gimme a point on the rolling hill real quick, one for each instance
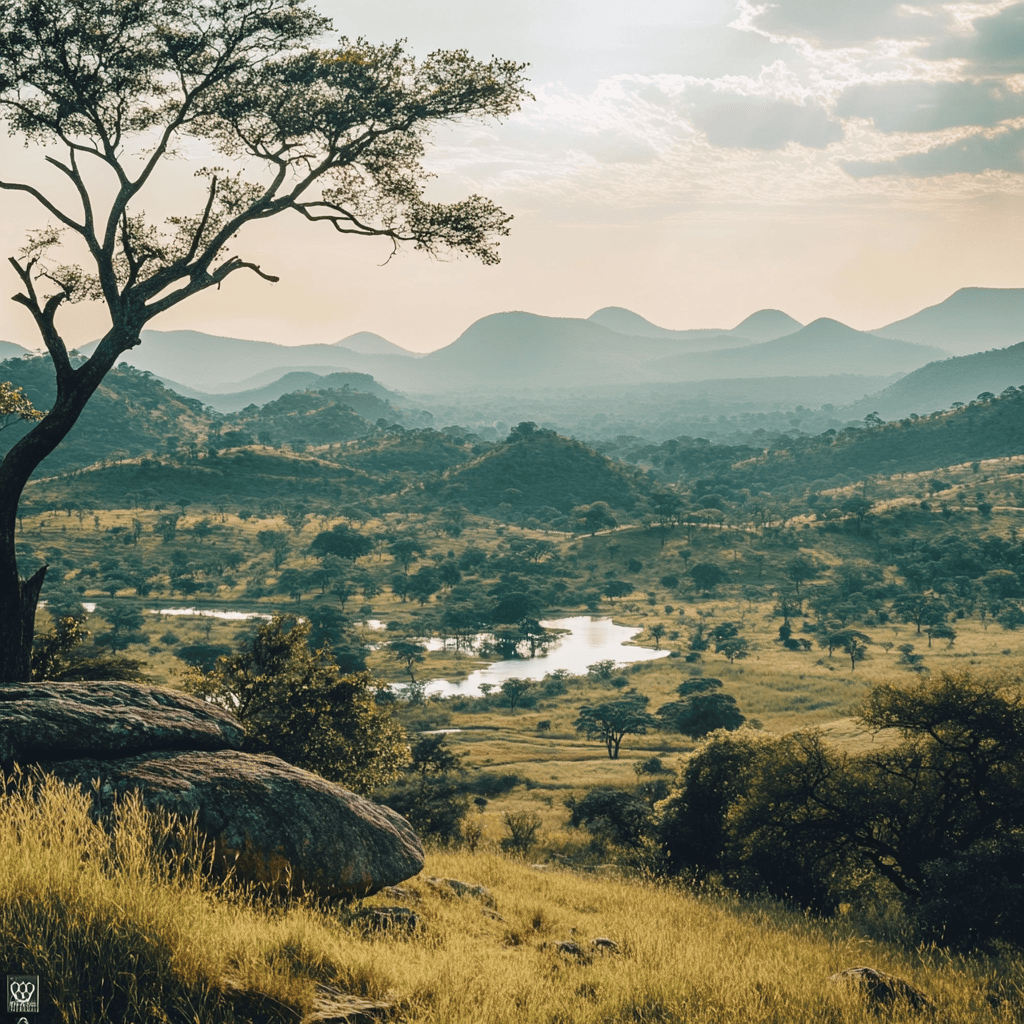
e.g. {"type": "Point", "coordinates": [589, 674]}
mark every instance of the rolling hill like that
{"type": "Point", "coordinates": [539, 351]}
{"type": "Point", "coordinates": [764, 325]}
{"type": "Point", "coordinates": [541, 470]}
{"type": "Point", "coordinates": [970, 320]}
{"type": "Point", "coordinates": [204, 361]}
{"type": "Point", "coordinates": [233, 401]}
{"type": "Point", "coordinates": [822, 347]}
{"type": "Point", "coordinates": [8, 350]}
{"type": "Point", "coordinates": [938, 385]}
{"type": "Point", "coordinates": [369, 344]}
{"type": "Point", "coordinates": [130, 414]}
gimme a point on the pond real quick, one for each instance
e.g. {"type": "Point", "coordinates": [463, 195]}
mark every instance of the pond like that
{"type": "Point", "coordinates": [584, 641]}
{"type": "Point", "coordinates": [587, 640]}
{"type": "Point", "coordinates": [209, 613]}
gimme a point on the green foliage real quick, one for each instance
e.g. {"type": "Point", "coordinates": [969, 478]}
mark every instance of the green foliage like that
{"type": "Point", "coordinates": [342, 542]}
{"type": "Point", "coordinates": [15, 406]}
{"type": "Point", "coordinates": [295, 702]}
{"type": "Point", "coordinates": [612, 720]}
{"type": "Point", "coordinates": [62, 654]}
{"type": "Point", "coordinates": [698, 684]}
{"type": "Point", "coordinates": [516, 692]}
{"type": "Point", "coordinates": [806, 822]}
{"type": "Point", "coordinates": [522, 828]}
{"type": "Point", "coordinates": [707, 575]}
{"type": "Point", "coordinates": [613, 815]}
{"type": "Point", "coordinates": [430, 795]}
{"type": "Point", "coordinates": [701, 713]}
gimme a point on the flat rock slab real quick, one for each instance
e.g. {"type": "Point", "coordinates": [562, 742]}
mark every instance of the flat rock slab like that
{"type": "Point", "coordinates": [47, 721]}
{"type": "Point", "coordinates": [272, 823]}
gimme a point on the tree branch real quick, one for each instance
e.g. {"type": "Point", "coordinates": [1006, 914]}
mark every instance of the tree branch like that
{"type": "Point", "coordinates": [16, 186]}
{"type": "Point", "coordinates": [43, 317]}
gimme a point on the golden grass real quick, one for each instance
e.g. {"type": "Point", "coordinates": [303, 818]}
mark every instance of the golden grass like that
{"type": "Point", "coordinates": [118, 932]}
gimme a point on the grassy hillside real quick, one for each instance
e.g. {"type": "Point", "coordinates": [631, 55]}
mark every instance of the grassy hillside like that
{"type": "Point", "coordinates": [74, 901]}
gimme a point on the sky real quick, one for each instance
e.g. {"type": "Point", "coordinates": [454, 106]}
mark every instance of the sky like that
{"type": "Point", "coordinates": [693, 161]}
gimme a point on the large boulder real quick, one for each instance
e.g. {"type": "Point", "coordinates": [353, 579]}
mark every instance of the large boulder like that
{"type": "Point", "coordinates": [42, 721]}
{"type": "Point", "coordinates": [270, 822]}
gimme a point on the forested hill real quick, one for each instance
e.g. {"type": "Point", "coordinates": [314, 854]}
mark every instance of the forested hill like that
{"type": "Point", "coordinates": [938, 385]}
{"type": "Point", "coordinates": [131, 414]}
{"type": "Point", "coordinates": [989, 427]}
{"type": "Point", "coordinates": [537, 470]}
{"type": "Point", "coordinates": [326, 416]}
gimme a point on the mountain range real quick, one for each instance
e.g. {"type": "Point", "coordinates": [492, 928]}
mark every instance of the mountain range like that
{"type": "Point", "coordinates": [612, 347]}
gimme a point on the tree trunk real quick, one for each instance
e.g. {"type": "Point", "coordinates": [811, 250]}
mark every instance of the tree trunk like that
{"type": "Point", "coordinates": [18, 617]}
{"type": "Point", "coordinates": [18, 597]}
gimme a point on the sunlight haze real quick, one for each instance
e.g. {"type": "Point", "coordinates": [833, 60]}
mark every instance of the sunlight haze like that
{"type": "Point", "coordinates": [692, 162]}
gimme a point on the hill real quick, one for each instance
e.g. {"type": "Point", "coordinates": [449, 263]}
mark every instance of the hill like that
{"type": "Point", "coordinates": [233, 401]}
{"type": "Point", "coordinates": [970, 320]}
{"type": "Point", "coordinates": [542, 351]}
{"type": "Point", "coordinates": [369, 344]}
{"type": "Point", "coordinates": [202, 361]}
{"type": "Point", "coordinates": [766, 325]}
{"type": "Point", "coordinates": [633, 325]}
{"type": "Point", "coordinates": [823, 347]}
{"type": "Point", "coordinates": [938, 385]}
{"type": "Point", "coordinates": [324, 416]}
{"type": "Point", "coordinates": [538, 469]}
{"type": "Point", "coordinates": [989, 429]}
{"type": "Point", "coordinates": [8, 350]}
{"type": "Point", "coordinates": [763, 325]}
{"type": "Point", "coordinates": [130, 414]}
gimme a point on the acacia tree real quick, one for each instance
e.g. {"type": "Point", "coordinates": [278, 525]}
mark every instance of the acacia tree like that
{"type": "Point", "coordinates": [111, 89]}
{"type": "Point", "coordinates": [614, 719]}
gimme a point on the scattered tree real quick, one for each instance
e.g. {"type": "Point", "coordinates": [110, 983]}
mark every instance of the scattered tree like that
{"type": "Point", "coordinates": [612, 720]}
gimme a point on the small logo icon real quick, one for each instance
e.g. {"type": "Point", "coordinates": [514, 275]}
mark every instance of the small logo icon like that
{"type": "Point", "coordinates": [22, 993]}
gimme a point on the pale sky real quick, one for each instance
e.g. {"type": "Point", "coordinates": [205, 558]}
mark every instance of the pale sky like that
{"type": "Point", "coordinates": [692, 160]}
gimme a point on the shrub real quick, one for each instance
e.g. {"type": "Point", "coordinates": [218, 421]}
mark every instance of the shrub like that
{"type": "Point", "coordinates": [522, 828]}
{"type": "Point", "coordinates": [613, 815]}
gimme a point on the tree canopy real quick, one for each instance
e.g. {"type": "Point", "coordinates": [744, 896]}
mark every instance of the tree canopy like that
{"type": "Point", "coordinates": [296, 703]}
{"type": "Point", "coordinates": [111, 90]}
{"type": "Point", "coordinates": [612, 720]}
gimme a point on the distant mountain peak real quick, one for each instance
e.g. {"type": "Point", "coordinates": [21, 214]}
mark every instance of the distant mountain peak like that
{"type": "Point", "coordinates": [766, 325]}
{"type": "Point", "coordinates": [625, 321]}
{"type": "Point", "coordinates": [369, 344]}
{"type": "Point", "coordinates": [970, 320]}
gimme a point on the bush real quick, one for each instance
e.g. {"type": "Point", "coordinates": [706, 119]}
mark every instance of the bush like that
{"type": "Point", "coordinates": [612, 815]}
{"type": "Point", "coordinates": [295, 703]}
{"type": "Point", "coordinates": [522, 828]}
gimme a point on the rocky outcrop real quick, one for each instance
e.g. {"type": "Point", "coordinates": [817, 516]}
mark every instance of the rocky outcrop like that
{"type": "Point", "coordinates": [45, 721]}
{"type": "Point", "coordinates": [268, 821]}
{"type": "Point", "coordinates": [881, 989]}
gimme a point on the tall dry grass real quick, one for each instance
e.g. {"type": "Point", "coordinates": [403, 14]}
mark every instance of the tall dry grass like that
{"type": "Point", "coordinates": [122, 927]}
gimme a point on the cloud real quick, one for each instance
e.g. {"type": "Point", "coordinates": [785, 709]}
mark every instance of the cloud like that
{"type": "Point", "coordinates": [851, 22]}
{"type": "Point", "coordinates": [974, 154]}
{"type": "Point", "coordinates": [753, 123]}
{"type": "Point", "coordinates": [995, 43]}
{"type": "Point", "coordinates": [916, 106]}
